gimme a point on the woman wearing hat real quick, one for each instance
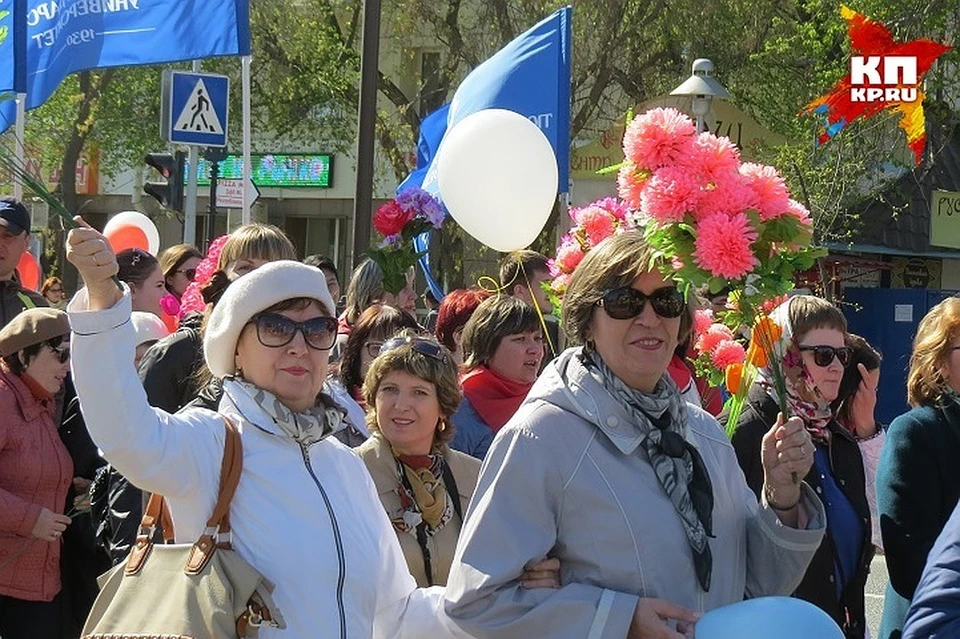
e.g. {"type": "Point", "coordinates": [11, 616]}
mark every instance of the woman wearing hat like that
{"type": "Point", "coordinates": [306, 513]}
{"type": "Point", "coordinates": [35, 473]}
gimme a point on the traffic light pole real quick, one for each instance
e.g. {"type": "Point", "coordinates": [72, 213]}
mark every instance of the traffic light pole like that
{"type": "Point", "coordinates": [212, 215]}
{"type": "Point", "coordinates": [190, 203]}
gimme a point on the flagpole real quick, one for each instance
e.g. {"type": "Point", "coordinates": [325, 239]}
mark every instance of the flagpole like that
{"type": "Point", "coordinates": [245, 65]}
{"type": "Point", "coordinates": [20, 150]}
{"type": "Point", "coordinates": [190, 202]}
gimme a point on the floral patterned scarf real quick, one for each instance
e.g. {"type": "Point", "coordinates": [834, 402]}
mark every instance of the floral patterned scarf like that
{"type": "Point", "coordinates": [305, 428]}
{"type": "Point", "coordinates": [422, 492]}
{"type": "Point", "coordinates": [803, 397]}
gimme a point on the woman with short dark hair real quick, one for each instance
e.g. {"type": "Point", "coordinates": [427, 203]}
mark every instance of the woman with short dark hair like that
{"type": "Point", "coordinates": [503, 350]}
{"type": "Point", "coordinates": [35, 474]}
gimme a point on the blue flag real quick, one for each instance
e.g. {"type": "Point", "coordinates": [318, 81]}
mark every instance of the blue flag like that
{"type": "Point", "coordinates": [13, 45]}
{"type": "Point", "coordinates": [65, 36]}
{"type": "Point", "coordinates": [531, 76]}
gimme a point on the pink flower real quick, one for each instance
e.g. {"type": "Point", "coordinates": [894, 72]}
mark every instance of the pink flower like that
{"type": "Point", "coordinates": [714, 334]}
{"type": "Point", "coordinates": [597, 223]}
{"type": "Point", "coordinates": [629, 184]}
{"type": "Point", "coordinates": [723, 245]}
{"type": "Point", "coordinates": [669, 195]}
{"type": "Point", "coordinates": [712, 157]}
{"type": "Point", "coordinates": [702, 320]}
{"type": "Point", "coordinates": [192, 299]}
{"type": "Point", "coordinates": [727, 195]}
{"type": "Point", "coordinates": [771, 191]}
{"type": "Point", "coordinates": [569, 256]}
{"type": "Point", "coordinates": [800, 212]}
{"type": "Point", "coordinates": [657, 138]}
{"type": "Point", "coordinates": [727, 353]}
{"type": "Point", "coordinates": [615, 207]}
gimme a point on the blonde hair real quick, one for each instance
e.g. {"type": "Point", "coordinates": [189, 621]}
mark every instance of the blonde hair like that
{"type": "Point", "coordinates": [442, 373]}
{"type": "Point", "coordinates": [931, 350]}
{"type": "Point", "coordinates": [256, 241]}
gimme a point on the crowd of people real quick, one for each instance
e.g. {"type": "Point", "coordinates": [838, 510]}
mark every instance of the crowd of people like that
{"type": "Point", "coordinates": [506, 473]}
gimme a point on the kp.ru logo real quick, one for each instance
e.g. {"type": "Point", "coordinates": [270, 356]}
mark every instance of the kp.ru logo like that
{"type": "Point", "coordinates": [883, 78]}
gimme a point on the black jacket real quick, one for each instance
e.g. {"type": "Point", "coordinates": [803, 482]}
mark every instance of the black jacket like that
{"type": "Point", "coordinates": [818, 585]}
{"type": "Point", "coordinates": [14, 299]}
{"type": "Point", "coordinates": [168, 370]}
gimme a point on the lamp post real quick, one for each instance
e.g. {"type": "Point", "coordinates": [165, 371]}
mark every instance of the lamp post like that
{"type": "Point", "coordinates": [702, 89]}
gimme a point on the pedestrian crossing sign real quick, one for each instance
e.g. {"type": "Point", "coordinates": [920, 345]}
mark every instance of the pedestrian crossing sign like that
{"type": "Point", "coordinates": [195, 108]}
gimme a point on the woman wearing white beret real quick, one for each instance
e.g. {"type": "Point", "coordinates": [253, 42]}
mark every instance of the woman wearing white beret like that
{"type": "Point", "coordinates": [306, 513]}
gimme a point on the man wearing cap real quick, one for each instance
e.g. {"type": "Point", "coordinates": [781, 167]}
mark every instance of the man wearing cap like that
{"type": "Point", "coordinates": [14, 239]}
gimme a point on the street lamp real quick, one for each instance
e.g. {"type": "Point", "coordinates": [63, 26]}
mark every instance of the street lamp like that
{"type": "Point", "coordinates": [702, 89]}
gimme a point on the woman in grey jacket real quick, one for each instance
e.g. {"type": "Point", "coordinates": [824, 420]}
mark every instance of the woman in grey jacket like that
{"type": "Point", "coordinates": [638, 494]}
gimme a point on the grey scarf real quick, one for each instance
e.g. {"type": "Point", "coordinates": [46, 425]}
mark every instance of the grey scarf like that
{"type": "Point", "coordinates": [662, 420]}
{"type": "Point", "coordinates": [305, 428]}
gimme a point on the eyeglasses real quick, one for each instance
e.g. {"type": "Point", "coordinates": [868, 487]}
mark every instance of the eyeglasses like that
{"type": "Point", "coordinates": [627, 302]}
{"type": "Point", "coordinates": [275, 331]}
{"type": "Point", "coordinates": [823, 355]}
{"type": "Point", "coordinates": [55, 290]}
{"type": "Point", "coordinates": [373, 348]}
{"type": "Point", "coordinates": [189, 273]}
{"type": "Point", "coordinates": [62, 353]}
{"type": "Point", "coordinates": [422, 346]}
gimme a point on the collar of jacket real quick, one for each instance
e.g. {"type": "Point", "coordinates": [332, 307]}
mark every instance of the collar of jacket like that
{"type": "Point", "coordinates": [585, 396]}
{"type": "Point", "coordinates": [236, 403]}
{"type": "Point", "coordinates": [30, 406]}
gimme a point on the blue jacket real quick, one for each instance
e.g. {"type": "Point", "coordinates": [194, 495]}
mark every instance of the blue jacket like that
{"type": "Point", "coordinates": [935, 611]}
{"type": "Point", "coordinates": [471, 434]}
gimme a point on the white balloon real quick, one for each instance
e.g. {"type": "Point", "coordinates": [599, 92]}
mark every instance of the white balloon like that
{"type": "Point", "coordinates": [498, 177]}
{"type": "Point", "coordinates": [139, 220]}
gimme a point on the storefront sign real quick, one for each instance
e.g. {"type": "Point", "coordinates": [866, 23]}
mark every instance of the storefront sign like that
{"type": "Point", "coordinates": [945, 219]}
{"type": "Point", "coordinates": [915, 272]}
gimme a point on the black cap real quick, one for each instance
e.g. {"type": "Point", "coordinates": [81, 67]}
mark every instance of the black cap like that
{"type": "Point", "coordinates": [14, 215]}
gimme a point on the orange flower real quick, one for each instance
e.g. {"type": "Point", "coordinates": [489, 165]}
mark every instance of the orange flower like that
{"type": "Point", "coordinates": [733, 376]}
{"type": "Point", "coordinates": [757, 356]}
{"type": "Point", "coordinates": [766, 334]}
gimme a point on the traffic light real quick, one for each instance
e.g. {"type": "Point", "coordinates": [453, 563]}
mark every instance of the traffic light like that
{"type": "Point", "coordinates": [171, 166]}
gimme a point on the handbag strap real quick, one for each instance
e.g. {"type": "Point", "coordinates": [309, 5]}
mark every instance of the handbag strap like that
{"type": "Point", "coordinates": [156, 512]}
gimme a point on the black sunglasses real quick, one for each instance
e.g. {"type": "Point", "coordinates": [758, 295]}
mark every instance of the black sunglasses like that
{"type": "Point", "coordinates": [275, 331]}
{"type": "Point", "coordinates": [420, 345]}
{"type": "Point", "coordinates": [823, 355]}
{"type": "Point", "coordinates": [62, 353]}
{"type": "Point", "coordinates": [189, 273]}
{"type": "Point", "coordinates": [627, 302]}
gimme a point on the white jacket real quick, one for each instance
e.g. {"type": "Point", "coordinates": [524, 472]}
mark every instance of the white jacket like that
{"type": "Point", "coordinates": [309, 520]}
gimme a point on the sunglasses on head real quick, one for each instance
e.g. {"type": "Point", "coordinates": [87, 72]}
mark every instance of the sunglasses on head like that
{"type": "Point", "coordinates": [627, 302]}
{"type": "Point", "coordinates": [275, 330]}
{"type": "Point", "coordinates": [420, 345]}
{"type": "Point", "coordinates": [823, 355]}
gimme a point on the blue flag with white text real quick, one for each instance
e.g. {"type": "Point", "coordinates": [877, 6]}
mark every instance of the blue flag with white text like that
{"type": "Point", "coordinates": [66, 36]}
{"type": "Point", "coordinates": [531, 76]}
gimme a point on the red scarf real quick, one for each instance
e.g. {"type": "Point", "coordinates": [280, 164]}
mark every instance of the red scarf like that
{"type": "Point", "coordinates": [495, 398]}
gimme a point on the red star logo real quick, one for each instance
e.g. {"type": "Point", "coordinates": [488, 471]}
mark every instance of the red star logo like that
{"type": "Point", "coordinates": [888, 76]}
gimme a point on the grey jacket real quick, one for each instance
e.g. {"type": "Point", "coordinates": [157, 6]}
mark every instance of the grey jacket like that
{"type": "Point", "coordinates": [567, 477]}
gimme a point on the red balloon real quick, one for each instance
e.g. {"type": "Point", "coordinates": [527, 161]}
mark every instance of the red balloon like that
{"type": "Point", "coordinates": [29, 270]}
{"type": "Point", "coordinates": [128, 237]}
{"type": "Point", "coordinates": [170, 321]}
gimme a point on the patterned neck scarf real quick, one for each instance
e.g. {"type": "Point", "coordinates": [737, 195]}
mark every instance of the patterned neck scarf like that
{"type": "Point", "coordinates": [662, 420]}
{"type": "Point", "coordinates": [803, 397]}
{"type": "Point", "coordinates": [423, 495]}
{"type": "Point", "coordinates": [305, 428]}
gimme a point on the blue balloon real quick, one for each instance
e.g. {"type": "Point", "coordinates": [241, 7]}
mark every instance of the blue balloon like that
{"type": "Point", "coordinates": [780, 617]}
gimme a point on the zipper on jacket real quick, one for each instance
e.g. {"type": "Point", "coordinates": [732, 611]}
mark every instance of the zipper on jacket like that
{"type": "Point", "coordinates": [337, 539]}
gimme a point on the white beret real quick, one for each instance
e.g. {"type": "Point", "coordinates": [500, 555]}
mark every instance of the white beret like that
{"type": "Point", "coordinates": [252, 293]}
{"type": "Point", "coordinates": [148, 327]}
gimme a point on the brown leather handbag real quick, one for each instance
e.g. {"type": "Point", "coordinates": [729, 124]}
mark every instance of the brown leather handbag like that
{"type": "Point", "coordinates": [203, 590]}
